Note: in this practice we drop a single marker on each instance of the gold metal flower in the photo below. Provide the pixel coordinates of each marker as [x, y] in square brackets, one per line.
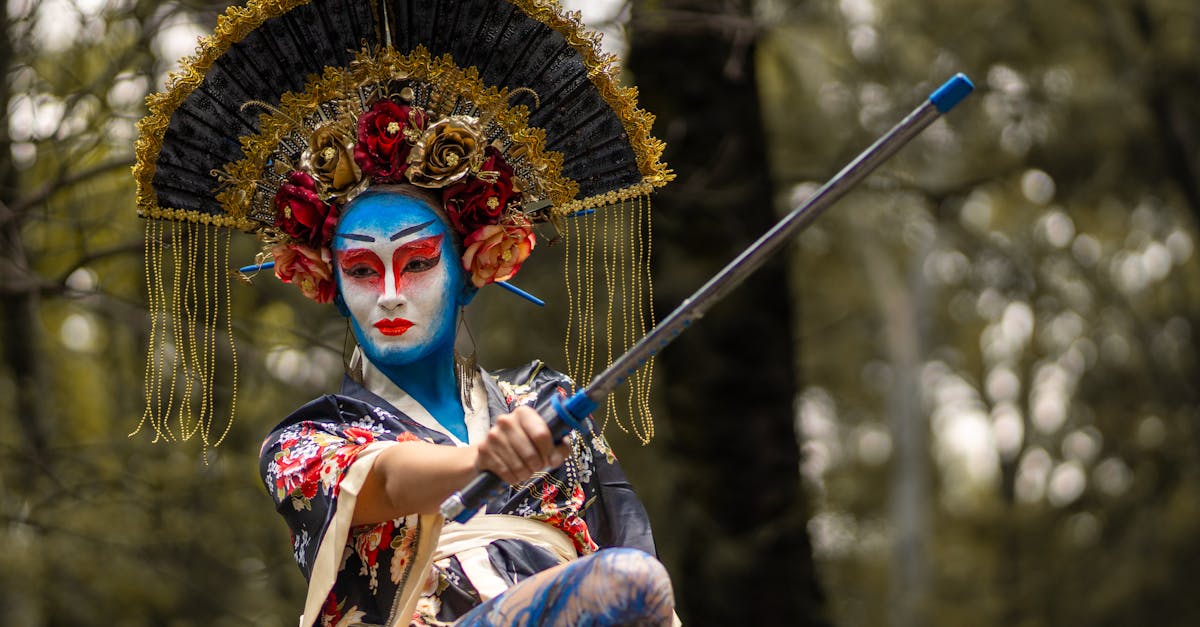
[447, 151]
[330, 160]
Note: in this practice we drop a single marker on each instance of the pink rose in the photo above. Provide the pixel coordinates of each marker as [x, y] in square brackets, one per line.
[305, 266]
[496, 252]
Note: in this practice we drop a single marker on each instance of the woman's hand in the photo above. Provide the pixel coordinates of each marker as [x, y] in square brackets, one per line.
[415, 477]
[519, 445]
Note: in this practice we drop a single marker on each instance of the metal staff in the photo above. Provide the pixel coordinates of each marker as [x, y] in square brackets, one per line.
[562, 416]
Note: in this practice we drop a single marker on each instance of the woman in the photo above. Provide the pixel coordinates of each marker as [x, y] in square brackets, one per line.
[394, 157]
[405, 433]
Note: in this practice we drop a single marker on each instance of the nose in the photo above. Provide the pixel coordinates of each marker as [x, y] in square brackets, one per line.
[391, 298]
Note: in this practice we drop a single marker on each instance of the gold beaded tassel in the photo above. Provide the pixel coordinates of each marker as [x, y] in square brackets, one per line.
[186, 314]
[642, 316]
[579, 274]
[610, 310]
[156, 404]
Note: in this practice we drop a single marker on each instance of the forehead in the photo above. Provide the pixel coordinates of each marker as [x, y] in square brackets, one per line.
[383, 215]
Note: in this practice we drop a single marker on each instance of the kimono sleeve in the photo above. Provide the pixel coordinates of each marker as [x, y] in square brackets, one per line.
[304, 463]
[616, 516]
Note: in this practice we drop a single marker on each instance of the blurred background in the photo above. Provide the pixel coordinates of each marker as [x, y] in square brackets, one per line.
[968, 395]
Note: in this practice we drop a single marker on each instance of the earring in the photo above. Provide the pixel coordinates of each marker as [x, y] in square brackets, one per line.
[352, 357]
[465, 365]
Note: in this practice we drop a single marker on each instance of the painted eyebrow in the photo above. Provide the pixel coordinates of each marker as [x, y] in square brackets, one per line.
[357, 237]
[409, 230]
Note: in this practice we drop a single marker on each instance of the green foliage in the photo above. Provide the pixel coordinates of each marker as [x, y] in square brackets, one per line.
[999, 331]
[100, 528]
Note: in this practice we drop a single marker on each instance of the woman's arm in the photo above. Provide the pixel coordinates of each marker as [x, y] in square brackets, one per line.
[415, 477]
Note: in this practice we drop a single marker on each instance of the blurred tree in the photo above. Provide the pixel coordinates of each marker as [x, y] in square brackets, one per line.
[999, 391]
[1032, 256]
[98, 527]
[739, 514]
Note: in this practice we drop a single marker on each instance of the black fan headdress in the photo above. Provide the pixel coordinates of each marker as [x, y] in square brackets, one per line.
[508, 104]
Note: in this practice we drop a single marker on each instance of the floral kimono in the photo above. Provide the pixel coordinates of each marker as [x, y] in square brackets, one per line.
[397, 572]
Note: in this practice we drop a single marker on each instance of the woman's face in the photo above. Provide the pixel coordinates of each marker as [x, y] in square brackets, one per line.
[399, 276]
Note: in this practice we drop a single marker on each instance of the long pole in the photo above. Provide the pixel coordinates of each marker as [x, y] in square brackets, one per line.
[562, 417]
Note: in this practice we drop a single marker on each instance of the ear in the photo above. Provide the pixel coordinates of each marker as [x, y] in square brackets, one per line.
[340, 303]
[467, 293]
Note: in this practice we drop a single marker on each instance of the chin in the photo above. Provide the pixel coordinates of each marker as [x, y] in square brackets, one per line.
[389, 345]
[390, 355]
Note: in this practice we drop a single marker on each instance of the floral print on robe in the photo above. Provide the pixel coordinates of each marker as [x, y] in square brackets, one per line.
[305, 458]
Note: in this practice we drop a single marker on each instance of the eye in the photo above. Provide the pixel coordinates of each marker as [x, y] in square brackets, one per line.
[421, 264]
[361, 271]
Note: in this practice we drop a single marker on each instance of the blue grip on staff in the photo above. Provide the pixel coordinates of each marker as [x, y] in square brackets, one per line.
[561, 418]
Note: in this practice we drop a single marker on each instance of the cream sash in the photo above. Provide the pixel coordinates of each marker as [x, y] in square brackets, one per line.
[468, 542]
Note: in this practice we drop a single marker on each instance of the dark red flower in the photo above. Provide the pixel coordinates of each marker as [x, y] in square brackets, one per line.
[480, 200]
[300, 212]
[385, 136]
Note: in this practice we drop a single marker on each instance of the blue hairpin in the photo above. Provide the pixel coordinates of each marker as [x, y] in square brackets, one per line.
[522, 293]
[266, 265]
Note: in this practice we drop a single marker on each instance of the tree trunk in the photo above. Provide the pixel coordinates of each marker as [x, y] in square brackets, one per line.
[18, 310]
[903, 305]
[739, 524]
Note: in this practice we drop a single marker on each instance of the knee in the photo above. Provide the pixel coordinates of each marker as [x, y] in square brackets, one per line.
[637, 572]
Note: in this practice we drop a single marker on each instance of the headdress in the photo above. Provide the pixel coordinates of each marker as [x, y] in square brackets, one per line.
[506, 109]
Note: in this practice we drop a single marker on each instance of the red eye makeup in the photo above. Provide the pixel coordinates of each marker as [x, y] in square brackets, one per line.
[360, 264]
[416, 257]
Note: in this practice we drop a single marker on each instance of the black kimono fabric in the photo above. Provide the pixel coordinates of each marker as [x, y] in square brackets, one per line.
[306, 456]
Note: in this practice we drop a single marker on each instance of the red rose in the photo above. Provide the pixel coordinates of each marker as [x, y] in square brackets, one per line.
[480, 200]
[496, 252]
[385, 136]
[300, 212]
[305, 266]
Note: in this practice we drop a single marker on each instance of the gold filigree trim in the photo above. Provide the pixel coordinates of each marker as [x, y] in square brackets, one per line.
[606, 199]
[378, 67]
[233, 26]
[237, 22]
[199, 217]
[604, 70]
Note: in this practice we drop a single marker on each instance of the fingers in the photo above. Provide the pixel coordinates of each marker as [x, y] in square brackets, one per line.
[520, 445]
[535, 427]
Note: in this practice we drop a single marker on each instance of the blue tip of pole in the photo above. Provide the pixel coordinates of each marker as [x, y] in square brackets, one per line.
[265, 266]
[951, 92]
[522, 293]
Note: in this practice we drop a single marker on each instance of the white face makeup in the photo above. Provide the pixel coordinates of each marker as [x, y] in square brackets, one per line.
[399, 277]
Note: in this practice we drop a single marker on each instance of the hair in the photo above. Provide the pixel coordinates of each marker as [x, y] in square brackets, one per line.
[427, 196]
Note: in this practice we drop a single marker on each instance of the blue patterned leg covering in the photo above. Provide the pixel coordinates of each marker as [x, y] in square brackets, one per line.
[612, 587]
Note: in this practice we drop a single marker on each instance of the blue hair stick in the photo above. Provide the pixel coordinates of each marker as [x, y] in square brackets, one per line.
[522, 293]
[266, 265]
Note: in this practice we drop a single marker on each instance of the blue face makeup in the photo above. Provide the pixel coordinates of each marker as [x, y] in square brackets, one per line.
[399, 278]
